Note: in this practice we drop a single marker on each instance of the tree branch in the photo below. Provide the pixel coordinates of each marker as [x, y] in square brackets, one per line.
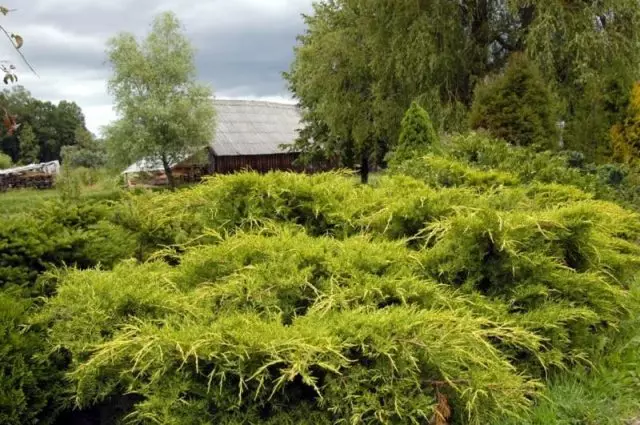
[18, 50]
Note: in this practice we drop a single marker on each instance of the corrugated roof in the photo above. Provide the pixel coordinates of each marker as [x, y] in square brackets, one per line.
[249, 127]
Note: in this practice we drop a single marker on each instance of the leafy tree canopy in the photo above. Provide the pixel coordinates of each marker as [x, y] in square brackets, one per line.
[165, 113]
[86, 152]
[360, 63]
[54, 126]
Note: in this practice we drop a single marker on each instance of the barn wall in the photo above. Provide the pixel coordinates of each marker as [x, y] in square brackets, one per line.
[212, 161]
[259, 163]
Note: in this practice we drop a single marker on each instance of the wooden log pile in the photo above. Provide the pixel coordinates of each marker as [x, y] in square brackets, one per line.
[182, 175]
[36, 176]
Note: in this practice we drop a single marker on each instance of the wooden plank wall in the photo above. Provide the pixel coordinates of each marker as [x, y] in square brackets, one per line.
[259, 163]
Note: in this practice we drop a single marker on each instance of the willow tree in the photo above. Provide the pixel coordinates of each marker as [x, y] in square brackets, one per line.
[332, 76]
[360, 63]
[166, 114]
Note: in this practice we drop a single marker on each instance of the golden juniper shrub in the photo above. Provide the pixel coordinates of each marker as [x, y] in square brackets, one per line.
[311, 299]
[260, 325]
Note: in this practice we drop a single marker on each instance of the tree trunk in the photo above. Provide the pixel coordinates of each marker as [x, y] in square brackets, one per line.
[169, 173]
[364, 168]
[527, 14]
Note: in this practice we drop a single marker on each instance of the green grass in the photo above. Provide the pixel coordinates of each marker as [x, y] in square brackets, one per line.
[605, 395]
[25, 200]
[18, 201]
[82, 183]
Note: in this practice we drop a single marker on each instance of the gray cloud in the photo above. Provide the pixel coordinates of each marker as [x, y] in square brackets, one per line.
[243, 45]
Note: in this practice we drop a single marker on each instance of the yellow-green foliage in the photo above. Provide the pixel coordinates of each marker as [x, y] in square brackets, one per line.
[562, 272]
[5, 161]
[443, 172]
[416, 134]
[286, 328]
[299, 299]
[31, 383]
[482, 162]
[625, 136]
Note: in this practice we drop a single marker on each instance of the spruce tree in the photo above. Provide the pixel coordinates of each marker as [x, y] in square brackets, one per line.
[416, 133]
[517, 106]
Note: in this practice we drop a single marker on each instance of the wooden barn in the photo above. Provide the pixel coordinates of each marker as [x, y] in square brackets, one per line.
[249, 135]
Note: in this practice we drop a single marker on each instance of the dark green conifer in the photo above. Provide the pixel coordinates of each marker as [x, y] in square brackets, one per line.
[517, 106]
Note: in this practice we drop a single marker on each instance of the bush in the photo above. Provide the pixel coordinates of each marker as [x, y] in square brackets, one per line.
[516, 106]
[442, 172]
[77, 156]
[270, 304]
[345, 328]
[31, 382]
[32, 246]
[59, 234]
[5, 161]
[605, 392]
[563, 271]
[416, 134]
[613, 182]
[288, 298]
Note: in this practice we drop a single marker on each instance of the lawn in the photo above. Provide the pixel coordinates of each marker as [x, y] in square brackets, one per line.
[16, 201]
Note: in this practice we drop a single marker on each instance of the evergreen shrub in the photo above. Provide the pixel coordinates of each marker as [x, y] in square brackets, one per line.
[416, 134]
[32, 382]
[288, 298]
[286, 328]
[516, 106]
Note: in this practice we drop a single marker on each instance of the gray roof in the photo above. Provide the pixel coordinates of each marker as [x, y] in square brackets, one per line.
[248, 127]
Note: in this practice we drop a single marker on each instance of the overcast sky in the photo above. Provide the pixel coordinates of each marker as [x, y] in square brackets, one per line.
[243, 45]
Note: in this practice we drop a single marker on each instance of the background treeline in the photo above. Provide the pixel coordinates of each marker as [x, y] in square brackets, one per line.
[48, 132]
